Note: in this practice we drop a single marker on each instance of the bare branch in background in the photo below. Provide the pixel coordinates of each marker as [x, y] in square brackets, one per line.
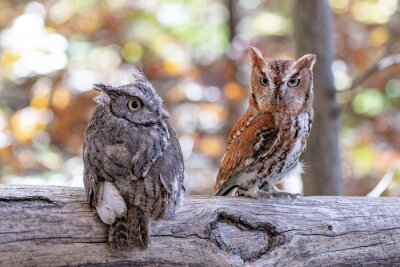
[390, 57]
[380, 65]
[383, 183]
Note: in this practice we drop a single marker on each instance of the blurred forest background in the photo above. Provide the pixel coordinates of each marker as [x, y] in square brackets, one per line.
[195, 54]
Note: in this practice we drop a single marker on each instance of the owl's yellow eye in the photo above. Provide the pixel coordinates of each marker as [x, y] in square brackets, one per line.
[135, 104]
[293, 82]
[264, 81]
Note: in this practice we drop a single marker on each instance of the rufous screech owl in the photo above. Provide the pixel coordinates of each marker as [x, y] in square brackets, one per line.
[265, 144]
[133, 164]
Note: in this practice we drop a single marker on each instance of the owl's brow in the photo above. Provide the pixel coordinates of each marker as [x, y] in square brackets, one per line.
[258, 70]
[294, 72]
[263, 73]
[144, 88]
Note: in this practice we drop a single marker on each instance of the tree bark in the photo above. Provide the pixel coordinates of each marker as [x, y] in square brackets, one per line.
[54, 226]
[313, 34]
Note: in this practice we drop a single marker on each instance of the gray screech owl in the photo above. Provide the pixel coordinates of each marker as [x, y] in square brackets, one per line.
[133, 164]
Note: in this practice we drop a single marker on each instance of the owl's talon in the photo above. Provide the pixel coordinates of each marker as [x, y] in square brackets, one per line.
[293, 195]
[265, 195]
[276, 194]
[241, 192]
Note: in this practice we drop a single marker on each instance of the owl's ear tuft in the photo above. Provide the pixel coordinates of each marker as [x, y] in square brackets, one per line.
[255, 56]
[101, 87]
[139, 76]
[306, 61]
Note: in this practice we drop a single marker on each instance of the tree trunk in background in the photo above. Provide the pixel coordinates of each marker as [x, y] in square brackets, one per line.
[313, 34]
[234, 110]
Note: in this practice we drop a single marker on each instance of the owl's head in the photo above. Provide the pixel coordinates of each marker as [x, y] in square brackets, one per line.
[136, 102]
[281, 85]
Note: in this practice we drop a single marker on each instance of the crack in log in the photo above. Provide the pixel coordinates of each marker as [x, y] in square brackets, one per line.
[61, 240]
[183, 236]
[243, 224]
[29, 199]
[140, 264]
[369, 232]
[352, 248]
[266, 237]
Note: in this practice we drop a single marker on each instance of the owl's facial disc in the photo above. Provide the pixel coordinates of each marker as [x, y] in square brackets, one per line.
[281, 85]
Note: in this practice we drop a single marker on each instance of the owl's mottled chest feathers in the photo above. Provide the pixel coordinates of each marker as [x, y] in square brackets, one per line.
[264, 147]
[284, 156]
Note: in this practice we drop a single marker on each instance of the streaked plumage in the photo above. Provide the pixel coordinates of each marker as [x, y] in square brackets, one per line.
[133, 161]
[265, 144]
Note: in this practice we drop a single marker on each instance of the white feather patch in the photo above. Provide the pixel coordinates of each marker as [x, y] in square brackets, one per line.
[296, 171]
[106, 214]
[112, 204]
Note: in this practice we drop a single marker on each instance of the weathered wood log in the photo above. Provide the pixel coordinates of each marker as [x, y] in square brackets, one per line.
[53, 226]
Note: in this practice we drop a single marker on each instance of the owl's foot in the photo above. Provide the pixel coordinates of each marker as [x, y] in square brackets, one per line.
[241, 192]
[276, 194]
[269, 191]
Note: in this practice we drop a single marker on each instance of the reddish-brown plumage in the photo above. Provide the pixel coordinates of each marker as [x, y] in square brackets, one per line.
[266, 142]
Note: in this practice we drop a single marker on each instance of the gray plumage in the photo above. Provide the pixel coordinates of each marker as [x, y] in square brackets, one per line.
[134, 154]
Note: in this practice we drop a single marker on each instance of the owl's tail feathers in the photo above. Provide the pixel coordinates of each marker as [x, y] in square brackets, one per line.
[130, 231]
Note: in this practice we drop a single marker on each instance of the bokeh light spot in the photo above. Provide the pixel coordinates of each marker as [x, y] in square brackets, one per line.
[233, 91]
[368, 102]
[132, 52]
[393, 88]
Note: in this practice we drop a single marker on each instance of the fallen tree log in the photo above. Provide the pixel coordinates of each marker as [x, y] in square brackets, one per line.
[53, 226]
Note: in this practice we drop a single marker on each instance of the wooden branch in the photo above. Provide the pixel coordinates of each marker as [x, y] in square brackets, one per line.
[53, 226]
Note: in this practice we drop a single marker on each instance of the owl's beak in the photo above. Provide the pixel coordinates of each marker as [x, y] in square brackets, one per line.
[278, 91]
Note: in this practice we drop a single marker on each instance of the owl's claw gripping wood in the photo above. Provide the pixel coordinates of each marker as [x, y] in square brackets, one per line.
[269, 191]
[267, 141]
[133, 162]
[277, 194]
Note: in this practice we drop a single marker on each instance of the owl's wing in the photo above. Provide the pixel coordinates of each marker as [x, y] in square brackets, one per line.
[104, 162]
[172, 174]
[248, 141]
[173, 167]
[160, 190]
[146, 168]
